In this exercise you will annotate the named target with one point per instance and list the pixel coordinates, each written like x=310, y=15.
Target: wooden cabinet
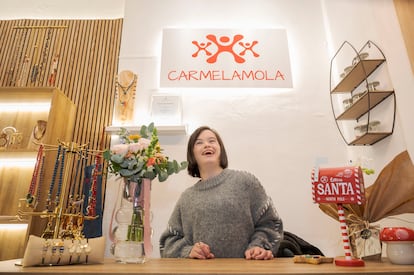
x=28, y=116
x=363, y=101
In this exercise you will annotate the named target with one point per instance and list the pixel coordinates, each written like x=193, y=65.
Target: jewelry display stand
x=62, y=203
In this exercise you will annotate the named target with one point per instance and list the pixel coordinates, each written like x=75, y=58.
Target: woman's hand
x=258, y=253
x=201, y=250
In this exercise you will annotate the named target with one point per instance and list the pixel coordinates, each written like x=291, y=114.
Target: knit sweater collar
x=213, y=181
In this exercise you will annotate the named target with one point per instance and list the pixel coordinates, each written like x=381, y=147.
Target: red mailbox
x=340, y=185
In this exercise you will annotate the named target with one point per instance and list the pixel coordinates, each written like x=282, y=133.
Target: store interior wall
x=277, y=134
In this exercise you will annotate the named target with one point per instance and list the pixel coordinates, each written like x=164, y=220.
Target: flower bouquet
x=140, y=156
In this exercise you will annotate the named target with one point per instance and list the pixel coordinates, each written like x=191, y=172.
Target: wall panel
x=405, y=13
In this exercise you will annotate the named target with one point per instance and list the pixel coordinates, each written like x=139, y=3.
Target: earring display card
x=166, y=109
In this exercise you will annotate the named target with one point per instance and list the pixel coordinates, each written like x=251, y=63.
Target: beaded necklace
x=16, y=60
x=30, y=197
x=45, y=55
x=52, y=182
x=91, y=208
x=41, y=180
x=72, y=195
x=59, y=190
x=55, y=59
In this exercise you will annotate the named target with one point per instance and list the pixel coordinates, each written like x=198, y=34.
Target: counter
x=214, y=266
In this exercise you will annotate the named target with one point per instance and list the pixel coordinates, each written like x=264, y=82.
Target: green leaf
x=163, y=176
x=176, y=166
x=117, y=158
x=107, y=155
x=143, y=131
x=150, y=175
x=151, y=127
x=184, y=165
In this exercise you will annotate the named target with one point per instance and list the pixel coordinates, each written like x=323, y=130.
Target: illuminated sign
x=225, y=58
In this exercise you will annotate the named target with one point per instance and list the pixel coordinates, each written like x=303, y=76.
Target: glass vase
x=132, y=235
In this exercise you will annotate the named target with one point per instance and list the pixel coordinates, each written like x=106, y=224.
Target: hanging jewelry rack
x=36, y=56
x=65, y=203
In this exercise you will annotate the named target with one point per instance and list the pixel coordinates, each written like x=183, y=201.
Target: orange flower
x=150, y=162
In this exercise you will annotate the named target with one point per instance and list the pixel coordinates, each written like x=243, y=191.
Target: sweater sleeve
x=173, y=244
x=268, y=231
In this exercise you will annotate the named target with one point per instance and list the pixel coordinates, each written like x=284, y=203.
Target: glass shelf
x=162, y=129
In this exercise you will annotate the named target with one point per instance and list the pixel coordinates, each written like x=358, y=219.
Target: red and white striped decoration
x=358, y=176
x=344, y=232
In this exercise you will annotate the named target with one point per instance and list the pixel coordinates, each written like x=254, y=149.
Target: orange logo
x=225, y=45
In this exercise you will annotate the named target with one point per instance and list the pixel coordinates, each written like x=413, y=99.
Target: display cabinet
x=28, y=117
x=362, y=98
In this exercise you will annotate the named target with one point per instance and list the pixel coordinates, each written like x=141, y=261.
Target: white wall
x=276, y=134
x=61, y=9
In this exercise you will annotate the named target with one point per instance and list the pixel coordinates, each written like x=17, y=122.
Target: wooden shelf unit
x=59, y=112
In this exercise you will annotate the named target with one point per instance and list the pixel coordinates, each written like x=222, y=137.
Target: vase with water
x=132, y=233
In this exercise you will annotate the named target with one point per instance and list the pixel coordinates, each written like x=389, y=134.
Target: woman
x=226, y=214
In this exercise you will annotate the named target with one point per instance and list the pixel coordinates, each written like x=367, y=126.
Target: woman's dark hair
x=192, y=163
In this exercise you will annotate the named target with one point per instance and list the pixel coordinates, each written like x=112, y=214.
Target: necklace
x=52, y=182
x=124, y=94
x=91, y=208
x=62, y=166
x=39, y=130
x=125, y=89
x=30, y=198
x=41, y=180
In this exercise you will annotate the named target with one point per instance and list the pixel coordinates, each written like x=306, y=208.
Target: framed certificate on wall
x=166, y=109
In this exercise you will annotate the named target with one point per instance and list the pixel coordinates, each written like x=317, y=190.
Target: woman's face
x=207, y=149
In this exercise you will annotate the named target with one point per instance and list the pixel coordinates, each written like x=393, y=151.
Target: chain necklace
x=124, y=94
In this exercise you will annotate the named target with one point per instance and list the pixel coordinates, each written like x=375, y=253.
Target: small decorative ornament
x=400, y=244
x=366, y=234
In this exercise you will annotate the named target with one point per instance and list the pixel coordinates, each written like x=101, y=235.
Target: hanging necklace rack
x=63, y=206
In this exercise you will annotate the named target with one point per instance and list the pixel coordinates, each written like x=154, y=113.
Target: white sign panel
x=225, y=58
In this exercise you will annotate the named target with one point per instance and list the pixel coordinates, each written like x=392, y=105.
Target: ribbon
x=145, y=198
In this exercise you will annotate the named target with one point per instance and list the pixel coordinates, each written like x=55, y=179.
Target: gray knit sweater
x=230, y=212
